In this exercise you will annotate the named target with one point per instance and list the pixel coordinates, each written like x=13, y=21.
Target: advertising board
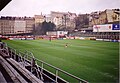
x=106, y=28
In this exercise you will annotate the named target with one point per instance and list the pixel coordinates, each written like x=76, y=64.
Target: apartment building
x=63, y=19
x=30, y=24
x=16, y=25
x=94, y=18
x=57, y=17
x=19, y=25
x=105, y=17
x=6, y=25
x=113, y=15
x=39, y=19
x=71, y=21
x=48, y=18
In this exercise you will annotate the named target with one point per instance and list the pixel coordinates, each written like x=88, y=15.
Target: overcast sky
x=32, y=7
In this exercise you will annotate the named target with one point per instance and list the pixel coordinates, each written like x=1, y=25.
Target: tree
x=51, y=26
x=82, y=21
x=37, y=29
x=43, y=27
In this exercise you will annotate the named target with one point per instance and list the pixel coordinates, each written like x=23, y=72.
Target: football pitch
x=94, y=61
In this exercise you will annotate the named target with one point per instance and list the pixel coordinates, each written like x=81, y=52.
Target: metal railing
x=39, y=66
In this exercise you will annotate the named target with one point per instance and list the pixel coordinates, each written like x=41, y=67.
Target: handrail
x=63, y=71
x=60, y=70
x=27, y=54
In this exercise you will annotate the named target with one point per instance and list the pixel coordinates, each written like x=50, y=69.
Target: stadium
x=85, y=57
x=94, y=61
x=59, y=55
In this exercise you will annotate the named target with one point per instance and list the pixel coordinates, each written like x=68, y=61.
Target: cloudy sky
x=32, y=7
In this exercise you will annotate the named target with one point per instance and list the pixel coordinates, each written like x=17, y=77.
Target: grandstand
x=105, y=32
x=22, y=67
x=98, y=35
x=19, y=67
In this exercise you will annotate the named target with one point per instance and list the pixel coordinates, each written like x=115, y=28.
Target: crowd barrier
x=38, y=67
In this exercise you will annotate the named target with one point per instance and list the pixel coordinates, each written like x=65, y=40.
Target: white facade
x=63, y=19
x=109, y=15
x=57, y=21
x=48, y=18
x=112, y=15
x=19, y=26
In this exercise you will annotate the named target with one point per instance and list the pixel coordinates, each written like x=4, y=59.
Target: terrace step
x=24, y=71
x=2, y=79
x=15, y=76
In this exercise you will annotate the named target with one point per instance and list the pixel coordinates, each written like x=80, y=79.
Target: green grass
x=94, y=61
